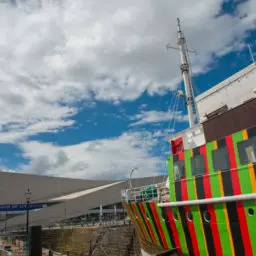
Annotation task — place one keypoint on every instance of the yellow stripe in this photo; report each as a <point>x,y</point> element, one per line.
<point>226,215</point>
<point>245,134</point>
<point>215,144</point>
<point>252,177</point>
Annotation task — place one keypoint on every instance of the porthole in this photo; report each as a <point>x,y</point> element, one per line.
<point>250,211</point>
<point>207,217</point>
<point>189,216</point>
<point>175,216</point>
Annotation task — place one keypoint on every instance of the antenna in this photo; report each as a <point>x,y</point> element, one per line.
<point>184,67</point>
<point>251,53</point>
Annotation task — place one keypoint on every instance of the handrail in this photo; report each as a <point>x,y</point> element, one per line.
<point>225,199</point>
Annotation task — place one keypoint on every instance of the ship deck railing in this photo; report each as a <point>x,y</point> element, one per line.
<point>152,192</point>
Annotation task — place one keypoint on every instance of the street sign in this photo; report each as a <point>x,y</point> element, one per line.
<point>19,207</point>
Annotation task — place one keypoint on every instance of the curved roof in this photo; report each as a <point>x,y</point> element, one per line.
<point>77,196</point>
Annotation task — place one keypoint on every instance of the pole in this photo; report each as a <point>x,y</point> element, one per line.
<point>185,73</point>
<point>250,50</point>
<point>27,222</point>
<point>27,229</point>
<point>133,169</point>
<point>5,223</point>
<point>28,195</point>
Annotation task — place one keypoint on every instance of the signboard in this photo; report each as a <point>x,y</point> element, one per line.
<point>19,207</point>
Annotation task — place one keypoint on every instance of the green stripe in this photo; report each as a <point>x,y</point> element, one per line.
<point>133,216</point>
<point>199,229</point>
<point>152,224</point>
<point>243,170</point>
<point>194,209</point>
<point>246,188</point>
<point>190,178</point>
<point>251,222</point>
<point>218,208</point>
<point>142,220</point>
<point>163,224</point>
<point>171,178</point>
<point>180,231</point>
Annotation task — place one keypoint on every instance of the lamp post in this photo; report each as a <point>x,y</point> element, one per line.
<point>28,197</point>
<point>133,169</point>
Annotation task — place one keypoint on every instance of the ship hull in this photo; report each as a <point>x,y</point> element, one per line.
<point>212,229</point>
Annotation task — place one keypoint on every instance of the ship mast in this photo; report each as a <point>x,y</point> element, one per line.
<point>184,67</point>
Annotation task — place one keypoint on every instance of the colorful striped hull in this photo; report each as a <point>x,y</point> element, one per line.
<point>170,228</point>
<point>210,229</point>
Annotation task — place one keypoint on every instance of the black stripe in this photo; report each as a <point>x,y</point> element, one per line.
<point>143,220</point>
<point>168,226</point>
<point>196,151</point>
<point>154,223</point>
<point>186,231</point>
<point>177,185</point>
<point>207,231</point>
<point>203,208</point>
<point>227,183</point>
<point>251,132</point>
<point>200,187</point>
<point>222,143</point>
<point>235,228</point>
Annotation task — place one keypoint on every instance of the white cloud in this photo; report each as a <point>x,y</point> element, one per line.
<point>54,56</point>
<point>109,158</point>
<point>147,117</point>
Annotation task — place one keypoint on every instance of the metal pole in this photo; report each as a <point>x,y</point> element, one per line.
<point>250,50</point>
<point>27,223</point>
<point>133,169</point>
<point>185,73</point>
<point>28,195</point>
<point>5,224</point>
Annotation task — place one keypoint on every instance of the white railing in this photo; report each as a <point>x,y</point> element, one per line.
<point>150,192</point>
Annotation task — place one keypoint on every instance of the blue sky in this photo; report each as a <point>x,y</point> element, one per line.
<point>87,92</point>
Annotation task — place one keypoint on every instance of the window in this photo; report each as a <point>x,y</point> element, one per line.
<point>247,151</point>
<point>220,159</point>
<point>198,165</point>
<point>179,170</point>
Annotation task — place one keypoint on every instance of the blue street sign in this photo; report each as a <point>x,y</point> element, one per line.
<point>19,207</point>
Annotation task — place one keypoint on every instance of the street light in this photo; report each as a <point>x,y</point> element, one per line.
<point>133,169</point>
<point>28,197</point>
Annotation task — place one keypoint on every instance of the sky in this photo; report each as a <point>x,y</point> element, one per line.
<point>88,87</point>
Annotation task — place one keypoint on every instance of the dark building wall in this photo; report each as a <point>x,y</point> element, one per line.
<point>236,119</point>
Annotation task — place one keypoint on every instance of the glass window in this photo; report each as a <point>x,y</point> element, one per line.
<point>220,159</point>
<point>198,165</point>
<point>179,170</point>
<point>247,151</point>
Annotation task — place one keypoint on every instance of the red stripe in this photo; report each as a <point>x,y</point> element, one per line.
<point>233,166</point>
<point>158,223</point>
<point>184,196</point>
<point>192,232</point>
<point>141,224</point>
<point>237,191</point>
<point>148,223</point>
<point>134,220</point>
<point>173,227</point>
<point>210,207</point>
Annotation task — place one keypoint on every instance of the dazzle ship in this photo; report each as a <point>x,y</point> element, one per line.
<point>207,205</point>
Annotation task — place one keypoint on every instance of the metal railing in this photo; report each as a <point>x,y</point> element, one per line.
<point>151,192</point>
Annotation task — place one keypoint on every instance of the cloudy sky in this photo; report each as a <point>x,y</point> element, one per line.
<point>87,87</point>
